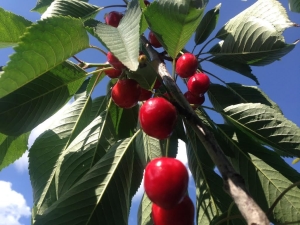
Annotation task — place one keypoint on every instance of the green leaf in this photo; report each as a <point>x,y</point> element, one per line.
<point>47,148</point>
<point>101,196</point>
<point>42,5</point>
<point>211,199</point>
<point>266,125</point>
<point>230,64</point>
<point>254,36</point>
<point>173,23</point>
<point>12,28</point>
<point>144,213</point>
<point>207,25</point>
<point>145,76</point>
<point>73,8</point>
<point>234,93</point>
<point>123,41</point>
<point>12,148</point>
<point>266,175</point>
<point>46,94</point>
<point>99,105</point>
<point>45,45</point>
<point>294,5</point>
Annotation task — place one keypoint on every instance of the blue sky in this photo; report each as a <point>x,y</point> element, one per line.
<point>280,81</point>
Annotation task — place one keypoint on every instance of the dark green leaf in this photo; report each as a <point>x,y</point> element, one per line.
<point>207,25</point>
<point>101,196</point>
<point>12,148</point>
<point>45,94</point>
<point>45,45</point>
<point>173,23</point>
<point>47,148</point>
<point>266,125</point>
<point>74,8</point>
<point>123,41</point>
<point>12,28</point>
<point>230,64</point>
<point>294,5</point>
<point>144,213</point>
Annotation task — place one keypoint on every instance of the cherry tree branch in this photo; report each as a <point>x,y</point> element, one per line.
<point>234,183</point>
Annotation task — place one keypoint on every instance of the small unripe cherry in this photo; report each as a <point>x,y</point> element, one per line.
<point>198,84</point>
<point>113,18</point>
<point>125,93</point>
<point>196,100</point>
<point>145,94</point>
<point>153,40</point>
<point>186,65</point>
<point>113,73</point>
<point>114,61</point>
<point>158,117</point>
<point>157,84</point>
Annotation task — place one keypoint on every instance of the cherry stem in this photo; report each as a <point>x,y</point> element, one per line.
<point>205,46</point>
<point>78,60</point>
<point>206,58</point>
<point>99,49</point>
<point>99,71</point>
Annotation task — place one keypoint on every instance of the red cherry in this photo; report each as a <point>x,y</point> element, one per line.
<point>145,94</point>
<point>194,99</point>
<point>114,61</point>
<point>113,18</point>
<point>158,117</point>
<point>186,65</point>
<point>181,214</point>
<point>157,84</point>
<point>126,93</point>
<point>146,2</point>
<point>198,84</point>
<point>166,181</point>
<point>153,40</point>
<point>113,73</point>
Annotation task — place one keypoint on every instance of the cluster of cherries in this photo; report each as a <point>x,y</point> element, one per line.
<point>166,182</point>
<point>157,115</point>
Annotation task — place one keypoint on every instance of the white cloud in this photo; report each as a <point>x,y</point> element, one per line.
<point>12,205</point>
<point>21,164</point>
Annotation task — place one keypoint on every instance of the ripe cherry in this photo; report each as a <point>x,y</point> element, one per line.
<point>114,61</point>
<point>113,73</point>
<point>158,117</point>
<point>186,65</point>
<point>157,84</point>
<point>153,40</point>
<point>181,214</point>
<point>194,99</point>
<point>145,94</point>
<point>166,181</point>
<point>113,18</point>
<point>125,93</point>
<point>198,84</point>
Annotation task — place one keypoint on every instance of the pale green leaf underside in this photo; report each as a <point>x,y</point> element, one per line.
<point>46,94</point>
<point>12,148</point>
<point>270,13</point>
<point>12,27</point>
<point>145,210</point>
<point>45,45</point>
<point>46,150</point>
<point>267,125</point>
<point>294,5</point>
<point>273,184</point>
<point>254,36</point>
<point>42,5</point>
<point>173,25</point>
<point>123,41</point>
<point>74,8</point>
<point>100,196</point>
